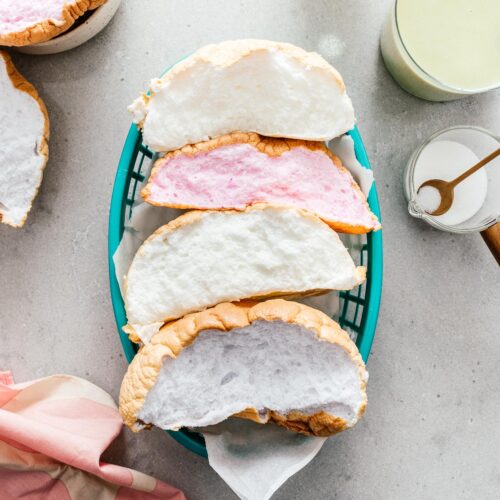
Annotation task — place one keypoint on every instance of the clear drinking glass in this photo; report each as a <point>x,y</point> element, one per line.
<point>409,74</point>
<point>479,141</point>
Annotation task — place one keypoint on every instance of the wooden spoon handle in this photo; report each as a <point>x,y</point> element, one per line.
<point>491,237</point>
<point>475,168</point>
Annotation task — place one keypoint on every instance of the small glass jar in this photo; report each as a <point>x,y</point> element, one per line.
<point>409,74</point>
<point>481,142</point>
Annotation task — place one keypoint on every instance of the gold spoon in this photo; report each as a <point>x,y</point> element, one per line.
<point>446,188</point>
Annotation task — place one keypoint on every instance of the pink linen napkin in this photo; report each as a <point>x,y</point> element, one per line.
<point>52,434</point>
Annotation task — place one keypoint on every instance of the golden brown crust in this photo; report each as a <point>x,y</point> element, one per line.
<point>20,83</point>
<point>50,28</point>
<point>320,424</point>
<point>96,3</point>
<point>176,336</point>
<point>268,145</point>
<point>229,52</point>
<point>133,337</point>
<point>272,146</point>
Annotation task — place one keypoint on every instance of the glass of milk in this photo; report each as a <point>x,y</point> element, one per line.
<point>442,50</point>
<point>445,155</point>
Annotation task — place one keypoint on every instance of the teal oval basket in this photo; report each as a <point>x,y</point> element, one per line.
<point>359,308</point>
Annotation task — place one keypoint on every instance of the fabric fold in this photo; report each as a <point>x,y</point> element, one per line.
<point>53,432</point>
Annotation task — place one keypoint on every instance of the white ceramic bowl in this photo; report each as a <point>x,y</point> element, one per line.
<point>74,37</point>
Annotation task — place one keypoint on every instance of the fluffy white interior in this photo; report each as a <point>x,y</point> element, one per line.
<point>267,365</point>
<point>21,128</point>
<point>227,256</point>
<point>267,92</point>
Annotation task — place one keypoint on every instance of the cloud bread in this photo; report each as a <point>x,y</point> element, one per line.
<point>24,151</point>
<point>278,90</point>
<point>203,258</point>
<point>274,361</point>
<point>239,169</point>
<point>27,22</point>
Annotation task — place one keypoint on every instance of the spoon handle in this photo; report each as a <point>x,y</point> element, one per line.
<point>491,237</point>
<point>475,168</point>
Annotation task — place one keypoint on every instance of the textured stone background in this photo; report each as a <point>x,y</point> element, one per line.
<point>431,429</point>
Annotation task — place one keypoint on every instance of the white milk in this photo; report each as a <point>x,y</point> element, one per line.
<point>443,49</point>
<point>446,160</point>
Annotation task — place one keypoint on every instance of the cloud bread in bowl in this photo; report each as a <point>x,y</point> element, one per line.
<point>24,150</point>
<point>239,169</point>
<point>273,361</point>
<point>203,258</point>
<point>27,22</point>
<point>274,89</point>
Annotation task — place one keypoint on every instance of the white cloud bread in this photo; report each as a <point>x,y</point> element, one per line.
<point>24,128</point>
<point>274,89</point>
<point>274,361</point>
<point>203,258</point>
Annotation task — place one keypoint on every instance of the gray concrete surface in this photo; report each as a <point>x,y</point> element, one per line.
<point>432,427</point>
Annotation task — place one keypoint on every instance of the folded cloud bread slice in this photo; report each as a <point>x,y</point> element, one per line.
<point>24,151</point>
<point>203,258</point>
<point>239,169</point>
<point>272,88</point>
<point>273,361</point>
